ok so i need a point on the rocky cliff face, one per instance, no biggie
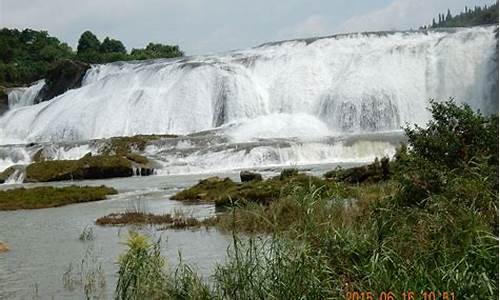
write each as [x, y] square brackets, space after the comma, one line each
[4, 100]
[64, 75]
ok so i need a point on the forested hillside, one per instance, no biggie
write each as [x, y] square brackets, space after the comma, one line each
[469, 17]
[27, 55]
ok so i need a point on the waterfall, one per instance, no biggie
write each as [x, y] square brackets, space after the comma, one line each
[24, 96]
[354, 83]
[283, 103]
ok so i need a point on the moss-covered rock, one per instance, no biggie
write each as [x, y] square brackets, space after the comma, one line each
[225, 192]
[88, 167]
[375, 172]
[125, 145]
[208, 190]
[137, 158]
[42, 197]
[250, 176]
[7, 173]
[39, 156]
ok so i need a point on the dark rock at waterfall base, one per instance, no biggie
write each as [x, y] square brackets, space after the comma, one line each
[63, 75]
[377, 171]
[4, 100]
[246, 176]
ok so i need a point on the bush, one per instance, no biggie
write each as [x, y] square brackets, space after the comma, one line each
[456, 143]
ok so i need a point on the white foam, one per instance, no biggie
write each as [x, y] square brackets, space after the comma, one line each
[24, 96]
[296, 154]
[297, 125]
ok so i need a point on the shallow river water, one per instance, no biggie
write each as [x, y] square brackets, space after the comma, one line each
[44, 243]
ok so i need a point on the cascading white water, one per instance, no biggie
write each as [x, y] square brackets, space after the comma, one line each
[24, 96]
[286, 103]
[342, 84]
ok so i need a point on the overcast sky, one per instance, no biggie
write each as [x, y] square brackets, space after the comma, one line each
[203, 26]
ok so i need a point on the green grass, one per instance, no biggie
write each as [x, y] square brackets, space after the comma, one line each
[43, 197]
[313, 245]
[167, 221]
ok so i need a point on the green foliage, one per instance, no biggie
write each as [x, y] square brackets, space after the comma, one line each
[153, 50]
[274, 268]
[143, 275]
[112, 46]
[42, 197]
[88, 42]
[456, 143]
[469, 17]
[26, 56]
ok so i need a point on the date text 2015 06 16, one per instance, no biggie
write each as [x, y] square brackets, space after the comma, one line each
[406, 295]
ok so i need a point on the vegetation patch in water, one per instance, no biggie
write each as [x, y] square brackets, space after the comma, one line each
[225, 192]
[166, 220]
[43, 197]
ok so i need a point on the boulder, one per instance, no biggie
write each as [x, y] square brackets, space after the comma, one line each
[63, 75]
[246, 176]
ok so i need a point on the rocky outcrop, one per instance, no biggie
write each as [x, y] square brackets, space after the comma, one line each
[4, 100]
[246, 176]
[62, 76]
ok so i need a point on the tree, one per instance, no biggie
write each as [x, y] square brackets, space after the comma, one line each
[448, 15]
[112, 46]
[88, 42]
[156, 50]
